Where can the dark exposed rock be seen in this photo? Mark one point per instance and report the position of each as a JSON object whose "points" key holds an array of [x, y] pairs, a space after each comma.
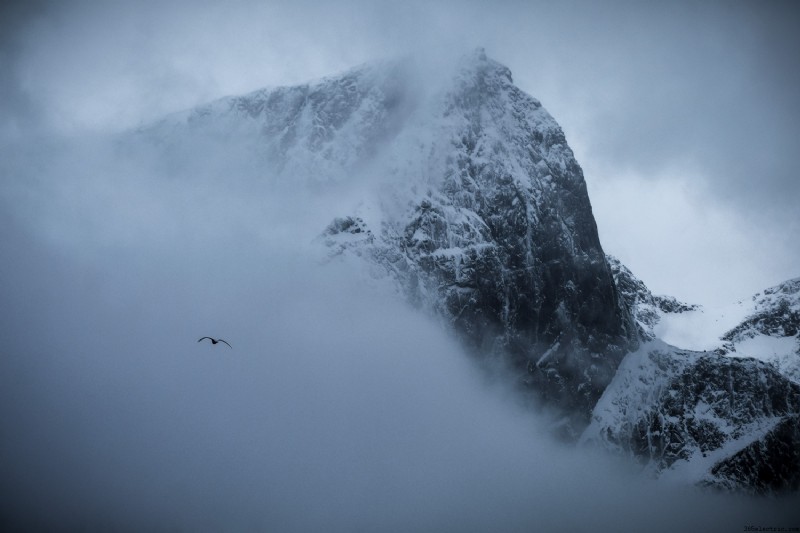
{"points": [[767, 466], [483, 219], [669, 304], [506, 247], [646, 308], [347, 234], [775, 318], [715, 420], [777, 313], [718, 421]]}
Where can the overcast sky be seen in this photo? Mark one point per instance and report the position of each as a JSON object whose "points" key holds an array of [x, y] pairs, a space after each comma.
{"points": [[683, 116]]}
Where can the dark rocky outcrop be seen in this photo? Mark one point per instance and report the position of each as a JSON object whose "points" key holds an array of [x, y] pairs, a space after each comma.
{"points": [[776, 314], [647, 308], [506, 247], [769, 465], [477, 212]]}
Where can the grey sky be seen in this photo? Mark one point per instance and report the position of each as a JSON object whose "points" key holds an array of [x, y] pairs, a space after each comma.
{"points": [[693, 100], [683, 117]]}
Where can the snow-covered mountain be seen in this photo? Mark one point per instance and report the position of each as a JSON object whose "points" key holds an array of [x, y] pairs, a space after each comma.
{"points": [[648, 310], [703, 418], [460, 191], [720, 417], [475, 207], [771, 330], [501, 241], [764, 326]]}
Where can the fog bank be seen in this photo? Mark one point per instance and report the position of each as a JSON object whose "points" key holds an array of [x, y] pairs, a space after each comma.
{"points": [[338, 408]]}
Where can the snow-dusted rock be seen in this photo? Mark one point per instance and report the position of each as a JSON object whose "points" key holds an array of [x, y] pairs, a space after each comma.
{"points": [[771, 330], [728, 417], [647, 309], [461, 190], [702, 418], [502, 242], [765, 326]]}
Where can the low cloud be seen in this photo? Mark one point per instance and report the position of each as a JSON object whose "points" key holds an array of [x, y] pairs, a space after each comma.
{"points": [[338, 407]]}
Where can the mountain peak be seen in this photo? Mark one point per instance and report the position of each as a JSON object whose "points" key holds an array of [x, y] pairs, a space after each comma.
{"points": [[460, 192], [473, 205], [479, 53], [477, 66]]}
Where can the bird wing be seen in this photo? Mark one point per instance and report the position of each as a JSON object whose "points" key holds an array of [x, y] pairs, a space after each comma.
{"points": [[229, 346], [201, 338]]}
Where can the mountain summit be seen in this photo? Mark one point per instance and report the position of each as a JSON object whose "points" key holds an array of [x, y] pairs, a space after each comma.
{"points": [[474, 205], [499, 238], [460, 190]]}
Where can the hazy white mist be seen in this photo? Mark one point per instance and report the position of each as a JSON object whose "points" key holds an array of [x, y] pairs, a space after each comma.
{"points": [[338, 408]]}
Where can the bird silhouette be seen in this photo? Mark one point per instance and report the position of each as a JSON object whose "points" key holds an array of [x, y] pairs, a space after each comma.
{"points": [[214, 341]]}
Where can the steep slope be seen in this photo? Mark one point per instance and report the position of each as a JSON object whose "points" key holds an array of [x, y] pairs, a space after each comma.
{"points": [[503, 244], [647, 309], [316, 133], [461, 189], [765, 326], [771, 330], [716, 418], [702, 418]]}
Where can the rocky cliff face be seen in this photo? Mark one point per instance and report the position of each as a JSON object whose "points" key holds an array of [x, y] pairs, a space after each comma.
{"points": [[474, 206], [765, 326], [319, 133], [713, 418], [647, 308], [771, 330], [702, 418], [461, 190], [503, 244]]}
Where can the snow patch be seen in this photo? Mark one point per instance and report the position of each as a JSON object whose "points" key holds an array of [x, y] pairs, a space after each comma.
{"points": [[701, 329]]}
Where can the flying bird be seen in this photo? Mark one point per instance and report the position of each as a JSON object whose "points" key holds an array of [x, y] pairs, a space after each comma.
{"points": [[214, 341]]}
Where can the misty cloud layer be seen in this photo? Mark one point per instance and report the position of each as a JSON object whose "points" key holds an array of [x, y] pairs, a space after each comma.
{"points": [[337, 409]]}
